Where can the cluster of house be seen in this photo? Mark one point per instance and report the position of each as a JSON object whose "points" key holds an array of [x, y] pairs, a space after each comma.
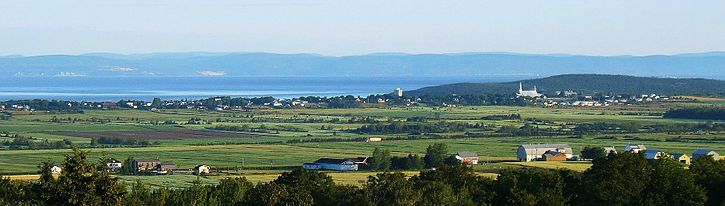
{"points": [[355, 164], [563, 152], [153, 165], [654, 154], [589, 101]]}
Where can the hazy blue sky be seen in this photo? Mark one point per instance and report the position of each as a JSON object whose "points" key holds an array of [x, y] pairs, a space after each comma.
{"points": [[604, 27]]}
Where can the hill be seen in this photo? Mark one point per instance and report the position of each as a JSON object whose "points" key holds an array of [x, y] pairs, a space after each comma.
{"points": [[587, 84], [708, 65]]}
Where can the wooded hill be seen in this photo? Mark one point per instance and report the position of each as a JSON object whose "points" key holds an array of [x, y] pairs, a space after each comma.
{"points": [[587, 84]]}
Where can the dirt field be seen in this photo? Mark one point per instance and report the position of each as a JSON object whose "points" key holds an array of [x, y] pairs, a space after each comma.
{"points": [[177, 134]]}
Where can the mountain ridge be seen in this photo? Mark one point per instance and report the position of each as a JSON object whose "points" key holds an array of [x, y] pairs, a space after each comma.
{"points": [[380, 64], [586, 84]]}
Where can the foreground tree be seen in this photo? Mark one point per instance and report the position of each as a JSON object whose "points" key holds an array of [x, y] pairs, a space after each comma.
{"points": [[616, 180], [80, 183], [710, 174]]}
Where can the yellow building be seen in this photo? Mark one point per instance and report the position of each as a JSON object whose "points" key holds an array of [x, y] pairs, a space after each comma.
{"points": [[681, 158]]}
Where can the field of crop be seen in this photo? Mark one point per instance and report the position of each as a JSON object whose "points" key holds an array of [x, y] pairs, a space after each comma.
{"points": [[281, 137]]}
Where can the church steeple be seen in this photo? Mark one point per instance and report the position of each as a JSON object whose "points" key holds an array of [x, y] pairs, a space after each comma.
{"points": [[521, 87]]}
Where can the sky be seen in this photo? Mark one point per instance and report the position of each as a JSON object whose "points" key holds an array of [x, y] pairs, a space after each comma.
{"points": [[604, 27]]}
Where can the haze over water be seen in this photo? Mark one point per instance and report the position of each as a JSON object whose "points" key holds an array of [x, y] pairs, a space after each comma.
{"points": [[147, 88]]}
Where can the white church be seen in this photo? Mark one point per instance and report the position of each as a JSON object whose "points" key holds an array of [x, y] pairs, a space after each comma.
{"points": [[527, 93]]}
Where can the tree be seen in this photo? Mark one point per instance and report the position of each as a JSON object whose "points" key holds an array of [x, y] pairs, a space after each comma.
{"points": [[593, 152], [529, 187], [317, 184], [156, 103], [452, 161], [710, 174], [615, 180], [381, 160], [273, 194], [389, 189], [127, 167], [672, 185], [80, 183], [435, 154]]}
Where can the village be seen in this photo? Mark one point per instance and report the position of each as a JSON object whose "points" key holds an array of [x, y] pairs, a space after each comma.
{"points": [[567, 98]]}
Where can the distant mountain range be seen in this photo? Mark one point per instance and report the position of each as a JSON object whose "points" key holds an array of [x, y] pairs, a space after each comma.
{"points": [[709, 65], [587, 84]]}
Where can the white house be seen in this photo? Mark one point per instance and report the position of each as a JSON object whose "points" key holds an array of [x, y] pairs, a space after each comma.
{"points": [[654, 154], [635, 148], [202, 169], [339, 164], [531, 152], [705, 152], [113, 165], [469, 158], [55, 170]]}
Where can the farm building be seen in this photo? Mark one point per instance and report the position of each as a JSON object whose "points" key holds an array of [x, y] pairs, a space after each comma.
{"points": [[609, 150], [469, 158], [654, 154], [202, 169], [374, 139], [113, 165], [55, 170], [681, 158], [531, 152], [340, 164], [634, 148], [704, 152], [140, 165], [165, 167], [553, 156]]}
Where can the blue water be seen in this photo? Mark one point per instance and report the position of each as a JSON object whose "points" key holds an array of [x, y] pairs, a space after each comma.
{"points": [[147, 88]]}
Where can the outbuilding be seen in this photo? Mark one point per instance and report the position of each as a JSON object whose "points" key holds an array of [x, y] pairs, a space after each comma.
{"points": [[532, 152]]}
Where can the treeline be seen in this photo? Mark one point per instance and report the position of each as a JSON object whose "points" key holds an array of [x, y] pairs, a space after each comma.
{"points": [[474, 99], [23, 142], [122, 141], [46, 105], [414, 128], [436, 155], [623, 179], [711, 113]]}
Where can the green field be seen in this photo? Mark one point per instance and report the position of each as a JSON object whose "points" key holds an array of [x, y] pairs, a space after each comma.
{"points": [[271, 147]]}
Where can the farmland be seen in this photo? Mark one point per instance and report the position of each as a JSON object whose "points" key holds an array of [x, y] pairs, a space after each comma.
{"points": [[278, 139]]}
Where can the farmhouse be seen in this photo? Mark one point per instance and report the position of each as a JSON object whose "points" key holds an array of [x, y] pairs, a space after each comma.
{"points": [[654, 154], [55, 170], [113, 165], [202, 169], [704, 152], [553, 156], [634, 148], [339, 164], [140, 165], [469, 158], [531, 152], [374, 139], [681, 158], [609, 150]]}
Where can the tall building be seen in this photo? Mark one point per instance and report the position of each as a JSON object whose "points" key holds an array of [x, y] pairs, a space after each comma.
{"points": [[398, 91], [527, 93]]}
